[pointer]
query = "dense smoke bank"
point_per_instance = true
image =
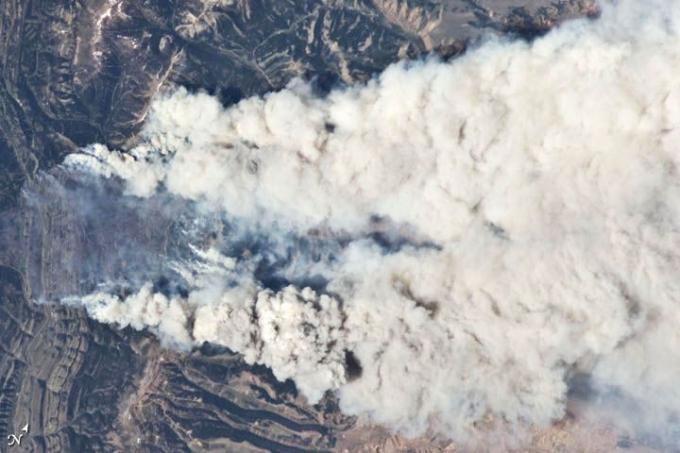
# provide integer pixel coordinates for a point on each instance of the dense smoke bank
(446, 246)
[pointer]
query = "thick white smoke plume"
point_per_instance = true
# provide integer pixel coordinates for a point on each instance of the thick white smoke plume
(499, 224)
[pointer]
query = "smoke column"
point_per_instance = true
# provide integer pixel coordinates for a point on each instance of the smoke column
(447, 245)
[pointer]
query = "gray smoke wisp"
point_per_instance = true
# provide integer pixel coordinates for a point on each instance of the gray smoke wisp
(471, 234)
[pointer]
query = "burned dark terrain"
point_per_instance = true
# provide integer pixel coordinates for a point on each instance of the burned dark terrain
(75, 73)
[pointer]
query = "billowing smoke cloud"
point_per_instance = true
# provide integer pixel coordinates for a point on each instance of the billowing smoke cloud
(446, 245)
